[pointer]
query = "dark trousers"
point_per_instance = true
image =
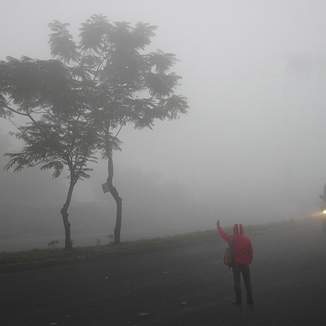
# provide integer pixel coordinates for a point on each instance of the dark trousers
(239, 269)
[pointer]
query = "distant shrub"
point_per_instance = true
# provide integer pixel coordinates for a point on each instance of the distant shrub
(110, 238)
(53, 244)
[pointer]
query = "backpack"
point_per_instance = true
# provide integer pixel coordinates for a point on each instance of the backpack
(228, 257)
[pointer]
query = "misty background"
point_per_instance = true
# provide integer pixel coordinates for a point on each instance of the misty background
(249, 150)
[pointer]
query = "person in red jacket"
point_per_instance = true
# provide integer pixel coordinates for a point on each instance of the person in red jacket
(243, 255)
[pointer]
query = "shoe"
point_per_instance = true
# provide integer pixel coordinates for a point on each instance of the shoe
(236, 302)
(250, 301)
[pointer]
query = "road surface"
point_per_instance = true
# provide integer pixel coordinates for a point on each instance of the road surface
(186, 285)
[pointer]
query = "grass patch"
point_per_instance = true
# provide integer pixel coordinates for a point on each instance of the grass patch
(35, 258)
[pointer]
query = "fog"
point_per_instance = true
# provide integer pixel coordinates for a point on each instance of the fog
(250, 149)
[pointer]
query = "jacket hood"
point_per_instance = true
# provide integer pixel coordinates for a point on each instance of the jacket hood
(238, 228)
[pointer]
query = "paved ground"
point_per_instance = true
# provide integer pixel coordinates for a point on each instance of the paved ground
(188, 285)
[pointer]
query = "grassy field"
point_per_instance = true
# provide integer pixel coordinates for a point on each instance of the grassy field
(36, 258)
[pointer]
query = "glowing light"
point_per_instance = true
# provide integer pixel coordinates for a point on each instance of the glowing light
(324, 212)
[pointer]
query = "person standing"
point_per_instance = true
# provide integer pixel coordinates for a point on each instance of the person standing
(243, 255)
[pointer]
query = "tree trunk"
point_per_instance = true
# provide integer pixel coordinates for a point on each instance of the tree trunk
(114, 193)
(66, 224)
(117, 228)
(64, 213)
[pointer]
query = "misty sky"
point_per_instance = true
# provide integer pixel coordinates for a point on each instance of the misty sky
(250, 148)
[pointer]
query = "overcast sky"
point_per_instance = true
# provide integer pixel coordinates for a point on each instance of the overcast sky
(250, 148)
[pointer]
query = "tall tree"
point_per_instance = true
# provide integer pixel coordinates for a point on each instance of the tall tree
(52, 124)
(122, 83)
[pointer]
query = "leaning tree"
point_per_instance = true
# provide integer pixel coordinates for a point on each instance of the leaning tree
(123, 84)
(45, 103)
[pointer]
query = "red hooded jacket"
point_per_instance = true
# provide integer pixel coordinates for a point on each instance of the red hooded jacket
(242, 246)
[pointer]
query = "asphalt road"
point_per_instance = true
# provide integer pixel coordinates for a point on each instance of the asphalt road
(186, 285)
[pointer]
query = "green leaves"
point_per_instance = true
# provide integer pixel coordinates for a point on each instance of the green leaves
(161, 62)
(33, 84)
(56, 165)
(61, 42)
(94, 34)
(142, 34)
(119, 82)
(161, 85)
(77, 104)
(55, 143)
(17, 161)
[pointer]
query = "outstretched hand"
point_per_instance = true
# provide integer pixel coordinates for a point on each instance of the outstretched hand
(218, 223)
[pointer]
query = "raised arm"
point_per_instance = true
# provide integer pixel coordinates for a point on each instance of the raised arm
(226, 237)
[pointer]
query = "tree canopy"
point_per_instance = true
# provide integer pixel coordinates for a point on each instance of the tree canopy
(77, 103)
(52, 122)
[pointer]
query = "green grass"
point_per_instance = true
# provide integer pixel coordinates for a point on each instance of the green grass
(98, 250)
(36, 257)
